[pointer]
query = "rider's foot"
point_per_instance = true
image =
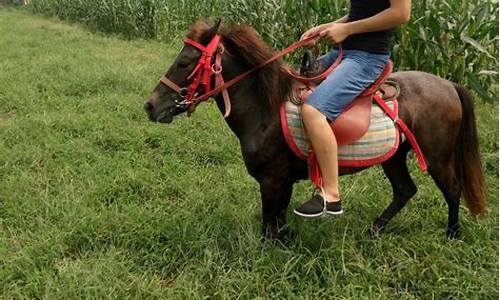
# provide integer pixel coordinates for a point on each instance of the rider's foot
(315, 207)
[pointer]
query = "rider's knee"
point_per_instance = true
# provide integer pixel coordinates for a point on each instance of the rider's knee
(309, 112)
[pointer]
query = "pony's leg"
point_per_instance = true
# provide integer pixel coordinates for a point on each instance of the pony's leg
(443, 174)
(403, 187)
(275, 196)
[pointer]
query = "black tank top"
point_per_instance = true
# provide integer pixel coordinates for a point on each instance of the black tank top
(374, 42)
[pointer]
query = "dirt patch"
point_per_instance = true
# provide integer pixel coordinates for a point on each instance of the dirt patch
(5, 116)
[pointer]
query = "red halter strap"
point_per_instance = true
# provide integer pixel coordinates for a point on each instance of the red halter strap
(203, 69)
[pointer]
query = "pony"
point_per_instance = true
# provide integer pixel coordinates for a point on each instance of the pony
(440, 114)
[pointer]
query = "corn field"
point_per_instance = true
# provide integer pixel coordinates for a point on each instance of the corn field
(454, 39)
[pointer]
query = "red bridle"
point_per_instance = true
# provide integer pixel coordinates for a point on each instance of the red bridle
(205, 69)
(201, 73)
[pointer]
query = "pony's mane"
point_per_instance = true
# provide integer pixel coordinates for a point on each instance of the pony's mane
(273, 82)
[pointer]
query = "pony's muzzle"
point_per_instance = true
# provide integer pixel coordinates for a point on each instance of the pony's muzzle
(160, 113)
(149, 108)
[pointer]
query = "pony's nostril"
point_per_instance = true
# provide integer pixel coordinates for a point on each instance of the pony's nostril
(148, 107)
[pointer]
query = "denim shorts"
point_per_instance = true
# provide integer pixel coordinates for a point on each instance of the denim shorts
(357, 71)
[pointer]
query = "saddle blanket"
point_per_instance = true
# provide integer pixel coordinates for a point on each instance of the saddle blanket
(377, 145)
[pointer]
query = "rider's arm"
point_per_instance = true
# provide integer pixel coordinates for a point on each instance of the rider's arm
(397, 14)
(326, 25)
(342, 20)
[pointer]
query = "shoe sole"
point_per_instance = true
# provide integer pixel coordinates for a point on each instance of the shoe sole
(335, 213)
(310, 216)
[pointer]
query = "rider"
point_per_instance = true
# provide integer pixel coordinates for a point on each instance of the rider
(366, 34)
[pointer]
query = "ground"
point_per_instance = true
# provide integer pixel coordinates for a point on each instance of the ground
(97, 202)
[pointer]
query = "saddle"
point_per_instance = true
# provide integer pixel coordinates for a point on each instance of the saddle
(354, 121)
(353, 125)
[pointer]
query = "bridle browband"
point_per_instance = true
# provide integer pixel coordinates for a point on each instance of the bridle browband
(204, 70)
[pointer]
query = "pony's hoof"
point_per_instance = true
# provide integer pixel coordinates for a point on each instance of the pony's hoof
(452, 233)
(284, 234)
(375, 232)
(377, 228)
(268, 233)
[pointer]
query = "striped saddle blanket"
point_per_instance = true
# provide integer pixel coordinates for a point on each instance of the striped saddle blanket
(377, 145)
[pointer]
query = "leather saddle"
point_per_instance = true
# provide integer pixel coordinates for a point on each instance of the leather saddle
(354, 121)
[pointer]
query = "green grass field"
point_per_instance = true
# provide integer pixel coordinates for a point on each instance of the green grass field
(97, 202)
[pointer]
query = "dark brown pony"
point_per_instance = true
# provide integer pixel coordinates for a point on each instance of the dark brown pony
(440, 114)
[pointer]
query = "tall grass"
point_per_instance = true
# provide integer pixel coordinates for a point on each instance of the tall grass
(455, 39)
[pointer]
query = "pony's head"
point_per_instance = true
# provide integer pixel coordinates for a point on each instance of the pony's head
(166, 101)
(190, 75)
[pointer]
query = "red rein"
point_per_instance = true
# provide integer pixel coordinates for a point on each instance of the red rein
(205, 69)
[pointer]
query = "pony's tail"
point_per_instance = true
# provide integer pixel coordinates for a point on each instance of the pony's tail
(468, 166)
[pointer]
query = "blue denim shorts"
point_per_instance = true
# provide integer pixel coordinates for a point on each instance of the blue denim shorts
(357, 71)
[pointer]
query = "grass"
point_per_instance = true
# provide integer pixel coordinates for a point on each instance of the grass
(97, 202)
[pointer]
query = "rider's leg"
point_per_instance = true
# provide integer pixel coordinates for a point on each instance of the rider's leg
(357, 71)
(325, 148)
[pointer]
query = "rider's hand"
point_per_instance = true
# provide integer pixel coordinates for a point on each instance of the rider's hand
(309, 33)
(336, 32)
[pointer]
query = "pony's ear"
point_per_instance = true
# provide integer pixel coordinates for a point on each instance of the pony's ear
(210, 33)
